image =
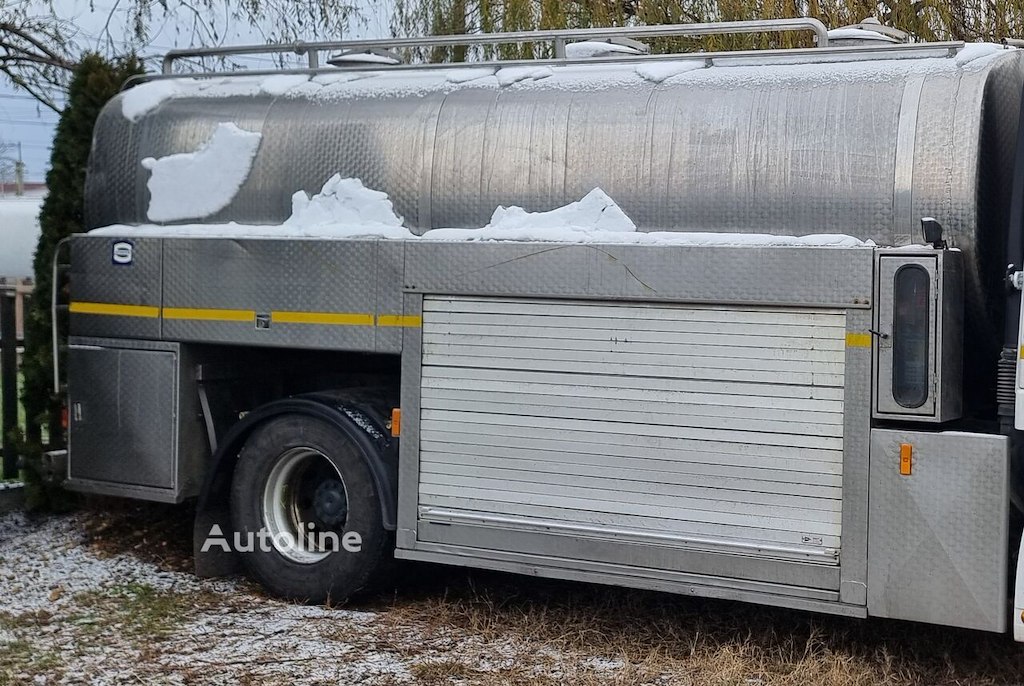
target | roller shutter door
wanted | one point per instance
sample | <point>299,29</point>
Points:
<point>712,428</point>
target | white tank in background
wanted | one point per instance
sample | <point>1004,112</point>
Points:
<point>19,232</point>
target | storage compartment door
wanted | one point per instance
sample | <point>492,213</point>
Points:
<point>938,535</point>
<point>708,428</point>
<point>123,413</point>
<point>907,347</point>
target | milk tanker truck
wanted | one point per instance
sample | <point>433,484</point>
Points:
<point>797,382</point>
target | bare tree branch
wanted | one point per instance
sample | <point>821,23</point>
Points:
<point>34,42</point>
<point>39,48</point>
<point>32,89</point>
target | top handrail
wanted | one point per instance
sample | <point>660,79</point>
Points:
<point>557,37</point>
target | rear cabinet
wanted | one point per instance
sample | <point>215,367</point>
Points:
<point>939,538</point>
<point>918,336</point>
<point>134,424</point>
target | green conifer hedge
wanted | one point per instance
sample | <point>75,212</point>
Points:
<point>95,80</point>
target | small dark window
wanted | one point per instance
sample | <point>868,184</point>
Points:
<point>911,300</point>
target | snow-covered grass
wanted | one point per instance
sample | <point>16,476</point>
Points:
<point>78,608</point>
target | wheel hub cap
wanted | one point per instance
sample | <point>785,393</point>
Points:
<point>329,503</point>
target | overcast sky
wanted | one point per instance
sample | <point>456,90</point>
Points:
<point>24,121</point>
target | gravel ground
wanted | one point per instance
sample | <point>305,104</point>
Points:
<point>105,597</point>
<point>73,613</point>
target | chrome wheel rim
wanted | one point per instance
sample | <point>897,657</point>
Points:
<point>305,506</point>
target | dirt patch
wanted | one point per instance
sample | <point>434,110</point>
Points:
<point>160,534</point>
<point>101,597</point>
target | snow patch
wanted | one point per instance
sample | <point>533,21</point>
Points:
<point>197,184</point>
<point>282,83</point>
<point>977,51</point>
<point>577,234</point>
<point>593,48</point>
<point>146,97</point>
<point>365,58</point>
<point>657,72</point>
<point>596,211</point>
<point>49,555</point>
<point>859,34</point>
<point>604,664</point>
<point>510,75</point>
<point>346,207</point>
<point>465,75</point>
<point>329,78</point>
<point>226,87</point>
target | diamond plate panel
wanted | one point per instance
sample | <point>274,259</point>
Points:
<point>266,276</point>
<point>113,172</point>
<point>856,432</point>
<point>790,276</point>
<point>931,557</point>
<point>390,274</point>
<point>126,398</point>
<point>95,278</point>
<point>140,396</point>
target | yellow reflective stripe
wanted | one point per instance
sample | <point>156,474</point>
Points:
<point>411,320</point>
<point>248,316</point>
<point>116,310</point>
<point>858,340</point>
<point>290,317</point>
<point>1022,352</point>
<point>337,318</point>
<point>207,314</point>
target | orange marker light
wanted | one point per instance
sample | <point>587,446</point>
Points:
<point>906,461</point>
<point>396,422</point>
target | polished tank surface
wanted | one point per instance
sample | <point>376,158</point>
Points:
<point>863,144</point>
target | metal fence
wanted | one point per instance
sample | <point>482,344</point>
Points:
<point>14,295</point>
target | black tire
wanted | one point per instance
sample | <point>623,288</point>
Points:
<point>300,452</point>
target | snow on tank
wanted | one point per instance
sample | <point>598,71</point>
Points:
<point>866,33</point>
<point>346,209</point>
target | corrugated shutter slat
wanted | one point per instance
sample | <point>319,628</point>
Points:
<point>718,426</point>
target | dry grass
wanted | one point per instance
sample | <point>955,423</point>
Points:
<point>655,637</point>
<point>458,626</point>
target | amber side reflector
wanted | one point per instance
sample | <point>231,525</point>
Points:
<point>906,461</point>
<point>396,422</point>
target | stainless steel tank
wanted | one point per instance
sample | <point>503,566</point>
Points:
<point>864,144</point>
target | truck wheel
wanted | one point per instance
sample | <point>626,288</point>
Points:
<point>303,492</point>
